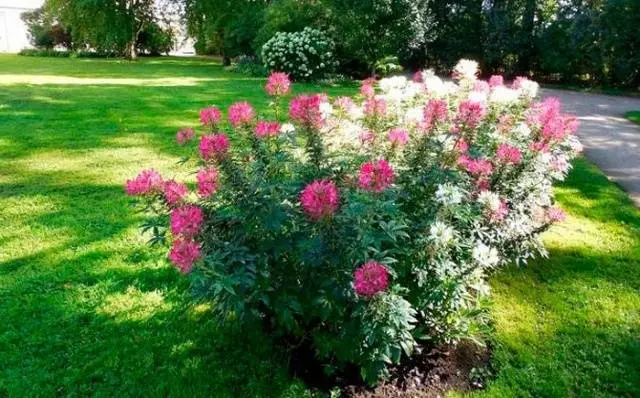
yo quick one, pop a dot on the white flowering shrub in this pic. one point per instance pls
(305, 55)
(365, 228)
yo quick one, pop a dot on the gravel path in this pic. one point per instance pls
(610, 141)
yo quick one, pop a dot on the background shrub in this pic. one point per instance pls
(304, 55)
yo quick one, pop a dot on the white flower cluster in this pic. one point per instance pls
(307, 54)
(486, 158)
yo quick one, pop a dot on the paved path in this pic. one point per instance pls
(610, 141)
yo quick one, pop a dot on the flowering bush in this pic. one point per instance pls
(365, 227)
(303, 55)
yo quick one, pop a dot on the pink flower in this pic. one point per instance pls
(555, 126)
(508, 154)
(214, 146)
(496, 80)
(435, 111)
(367, 89)
(266, 129)
(555, 214)
(344, 104)
(186, 221)
(210, 116)
(398, 137)
(418, 77)
(207, 181)
(517, 83)
(371, 279)
(480, 167)
(174, 191)
(481, 86)
(375, 107)
(185, 135)
(183, 254)
(376, 176)
(505, 122)
(320, 199)
(305, 109)
(470, 113)
(241, 114)
(500, 213)
(539, 146)
(278, 83)
(367, 137)
(148, 181)
(461, 146)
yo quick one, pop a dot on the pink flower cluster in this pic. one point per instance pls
(185, 135)
(148, 181)
(174, 192)
(210, 116)
(214, 146)
(266, 129)
(555, 126)
(398, 137)
(482, 87)
(305, 109)
(186, 221)
(470, 113)
(376, 176)
(184, 253)
(375, 107)
(367, 88)
(371, 279)
(509, 154)
(278, 84)
(555, 214)
(344, 104)
(500, 213)
(207, 181)
(496, 80)
(480, 167)
(241, 114)
(435, 111)
(320, 199)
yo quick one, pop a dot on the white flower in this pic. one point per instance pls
(477, 96)
(528, 88)
(489, 200)
(389, 83)
(325, 109)
(441, 234)
(503, 95)
(523, 130)
(485, 256)
(448, 194)
(466, 69)
(287, 128)
(413, 116)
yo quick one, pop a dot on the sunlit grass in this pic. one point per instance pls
(88, 309)
(633, 116)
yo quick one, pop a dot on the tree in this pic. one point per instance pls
(108, 25)
(369, 30)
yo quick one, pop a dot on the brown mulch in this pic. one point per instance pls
(430, 374)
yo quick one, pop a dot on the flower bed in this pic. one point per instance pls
(365, 226)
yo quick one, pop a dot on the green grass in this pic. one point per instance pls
(88, 309)
(634, 116)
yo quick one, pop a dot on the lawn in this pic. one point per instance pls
(88, 309)
(633, 116)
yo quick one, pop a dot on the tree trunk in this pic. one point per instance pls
(131, 53)
(528, 24)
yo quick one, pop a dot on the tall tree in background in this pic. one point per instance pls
(107, 25)
(371, 29)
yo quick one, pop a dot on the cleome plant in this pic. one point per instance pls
(365, 227)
